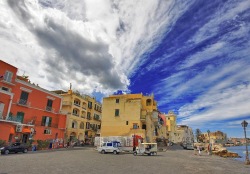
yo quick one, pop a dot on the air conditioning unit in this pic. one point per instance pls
(19, 128)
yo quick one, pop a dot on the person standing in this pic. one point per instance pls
(208, 149)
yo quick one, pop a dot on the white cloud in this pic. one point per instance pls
(95, 45)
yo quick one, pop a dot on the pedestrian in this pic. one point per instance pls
(199, 150)
(208, 149)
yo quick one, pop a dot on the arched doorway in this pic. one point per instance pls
(72, 136)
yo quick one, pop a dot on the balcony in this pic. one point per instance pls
(22, 102)
(66, 103)
(75, 114)
(53, 125)
(15, 119)
(77, 104)
(89, 117)
(84, 108)
(96, 118)
(49, 109)
(83, 116)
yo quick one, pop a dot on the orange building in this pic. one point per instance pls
(28, 111)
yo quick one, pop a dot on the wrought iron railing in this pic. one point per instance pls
(49, 109)
(23, 102)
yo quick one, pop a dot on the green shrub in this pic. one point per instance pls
(42, 144)
(2, 142)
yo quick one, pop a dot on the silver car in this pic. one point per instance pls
(110, 147)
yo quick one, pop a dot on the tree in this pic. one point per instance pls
(198, 135)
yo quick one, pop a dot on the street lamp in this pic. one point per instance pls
(244, 125)
(210, 148)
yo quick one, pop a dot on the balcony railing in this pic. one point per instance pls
(49, 109)
(83, 116)
(89, 117)
(23, 103)
(96, 118)
(15, 119)
(77, 115)
(84, 107)
(77, 104)
(53, 125)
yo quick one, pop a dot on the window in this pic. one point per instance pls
(24, 98)
(117, 100)
(87, 125)
(47, 131)
(148, 102)
(109, 144)
(49, 105)
(19, 117)
(74, 124)
(77, 102)
(8, 76)
(116, 112)
(46, 121)
(90, 105)
(5, 89)
(75, 112)
(135, 125)
(126, 122)
(96, 117)
(88, 115)
(82, 125)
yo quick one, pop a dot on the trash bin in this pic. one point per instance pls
(34, 148)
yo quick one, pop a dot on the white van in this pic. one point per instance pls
(110, 147)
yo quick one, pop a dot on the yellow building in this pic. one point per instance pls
(128, 115)
(171, 126)
(83, 116)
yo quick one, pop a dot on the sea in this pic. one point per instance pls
(241, 150)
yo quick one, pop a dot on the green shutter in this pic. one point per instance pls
(43, 121)
(19, 117)
(50, 120)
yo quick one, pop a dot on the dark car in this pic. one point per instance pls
(14, 148)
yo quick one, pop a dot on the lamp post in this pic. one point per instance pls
(210, 149)
(244, 125)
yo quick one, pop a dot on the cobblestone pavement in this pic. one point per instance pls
(88, 160)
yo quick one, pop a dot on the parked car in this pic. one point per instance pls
(112, 147)
(14, 148)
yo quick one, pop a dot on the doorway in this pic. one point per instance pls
(25, 138)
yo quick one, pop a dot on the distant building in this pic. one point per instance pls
(83, 116)
(215, 137)
(27, 111)
(129, 115)
(171, 127)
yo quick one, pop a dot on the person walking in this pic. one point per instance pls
(199, 150)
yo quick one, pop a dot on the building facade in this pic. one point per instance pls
(28, 111)
(130, 115)
(83, 116)
(171, 126)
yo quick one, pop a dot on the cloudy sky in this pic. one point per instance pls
(193, 55)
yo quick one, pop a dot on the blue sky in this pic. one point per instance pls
(193, 55)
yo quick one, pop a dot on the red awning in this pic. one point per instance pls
(26, 130)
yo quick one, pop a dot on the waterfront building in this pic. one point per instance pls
(83, 116)
(215, 137)
(27, 111)
(130, 115)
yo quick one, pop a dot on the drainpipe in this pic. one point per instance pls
(10, 103)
